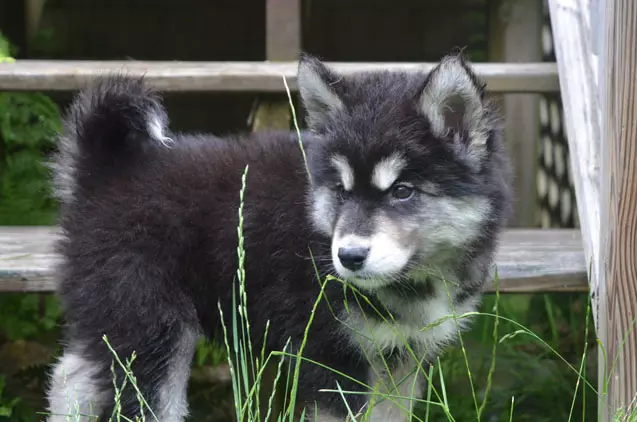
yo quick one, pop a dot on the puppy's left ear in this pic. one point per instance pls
(318, 89)
(453, 101)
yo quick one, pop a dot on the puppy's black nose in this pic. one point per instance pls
(353, 258)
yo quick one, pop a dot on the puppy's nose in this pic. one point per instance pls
(354, 257)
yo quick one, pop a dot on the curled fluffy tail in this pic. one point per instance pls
(107, 127)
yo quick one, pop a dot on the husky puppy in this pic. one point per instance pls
(403, 198)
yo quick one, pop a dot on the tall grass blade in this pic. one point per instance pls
(494, 349)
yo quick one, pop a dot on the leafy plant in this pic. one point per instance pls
(28, 124)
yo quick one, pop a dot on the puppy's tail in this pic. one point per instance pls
(109, 126)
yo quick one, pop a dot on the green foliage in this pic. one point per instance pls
(7, 405)
(208, 353)
(29, 335)
(17, 316)
(28, 124)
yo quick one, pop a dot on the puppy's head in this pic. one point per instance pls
(398, 172)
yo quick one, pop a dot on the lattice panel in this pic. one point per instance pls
(555, 190)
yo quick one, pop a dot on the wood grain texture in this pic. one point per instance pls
(51, 75)
(27, 259)
(527, 261)
(570, 22)
(283, 29)
(618, 253)
(540, 260)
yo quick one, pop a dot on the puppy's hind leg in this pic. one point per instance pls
(82, 385)
(170, 399)
(161, 369)
(78, 389)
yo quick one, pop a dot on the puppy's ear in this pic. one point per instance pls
(318, 89)
(452, 100)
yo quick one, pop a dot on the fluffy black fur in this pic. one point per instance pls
(150, 219)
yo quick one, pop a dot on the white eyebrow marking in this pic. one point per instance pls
(345, 171)
(387, 171)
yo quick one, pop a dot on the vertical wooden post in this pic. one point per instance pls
(577, 54)
(514, 36)
(33, 12)
(282, 42)
(283, 29)
(570, 21)
(618, 255)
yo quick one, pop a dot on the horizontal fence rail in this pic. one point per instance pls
(527, 261)
(62, 75)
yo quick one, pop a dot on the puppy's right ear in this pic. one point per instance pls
(318, 86)
(453, 101)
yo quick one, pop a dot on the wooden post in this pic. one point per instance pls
(514, 36)
(570, 21)
(618, 246)
(283, 29)
(33, 13)
(282, 42)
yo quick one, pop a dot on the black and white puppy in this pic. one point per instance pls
(408, 184)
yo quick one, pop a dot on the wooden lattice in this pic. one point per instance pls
(555, 190)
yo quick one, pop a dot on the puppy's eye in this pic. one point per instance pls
(402, 192)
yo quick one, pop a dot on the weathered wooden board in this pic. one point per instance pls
(617, 293)
(570, 22)
(541, 260)
(50, 75)
(528, 260)
(27, 259)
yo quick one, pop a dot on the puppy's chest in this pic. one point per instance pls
(426, 326)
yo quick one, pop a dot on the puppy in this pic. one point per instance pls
(400, 189)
